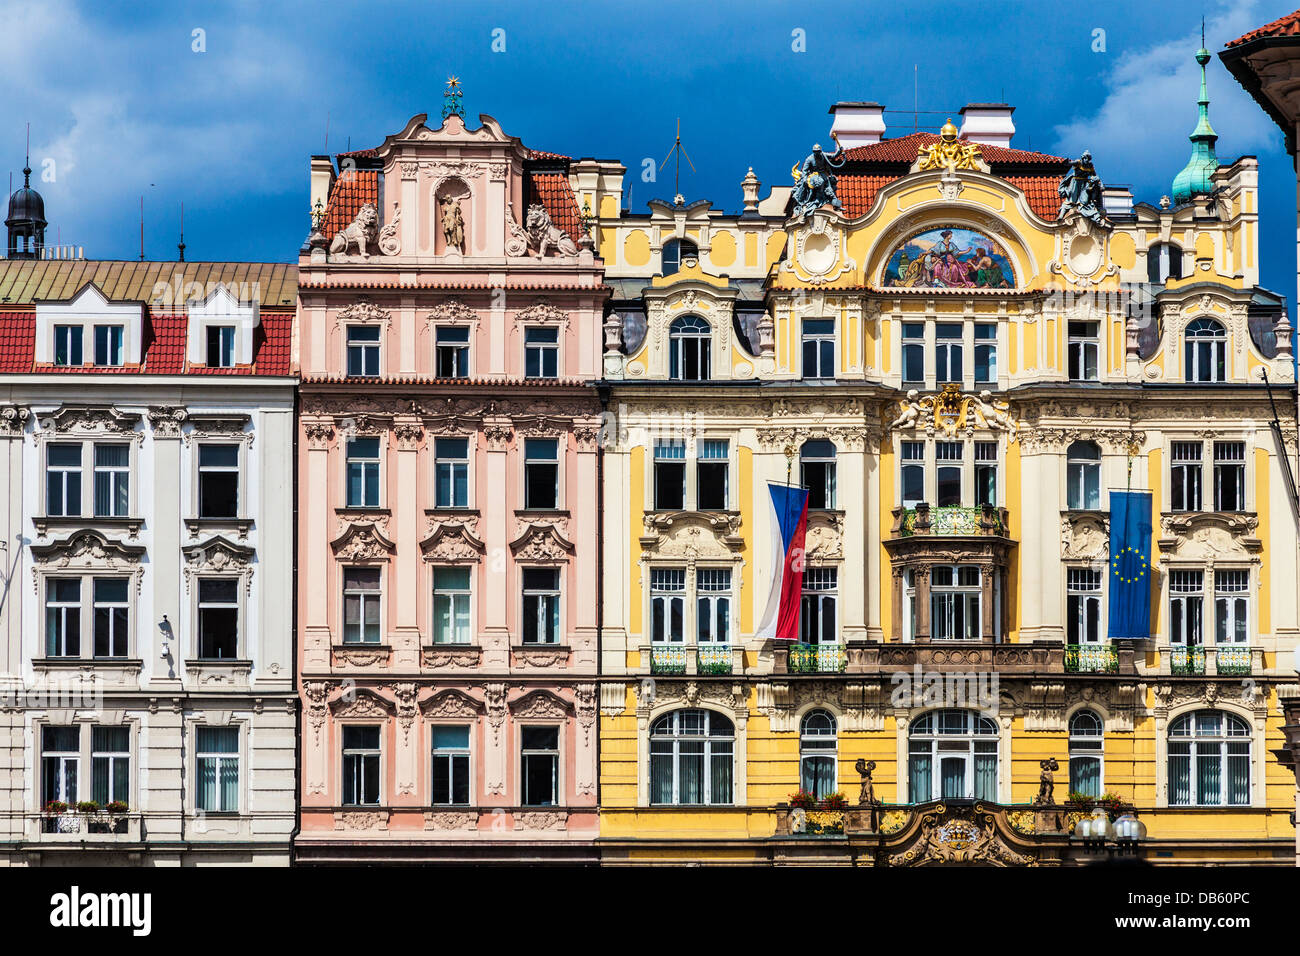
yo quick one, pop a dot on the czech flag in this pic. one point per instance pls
(781, 619)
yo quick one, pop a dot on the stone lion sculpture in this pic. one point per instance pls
(544, 234)
(359, 232)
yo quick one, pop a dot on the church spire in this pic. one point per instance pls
(1197, 177)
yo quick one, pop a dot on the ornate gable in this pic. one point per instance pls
(218, 555)
(92, 420)
(451, 703)
(540, 704)
(452, 542)
(362, 541)
(541, 543)
(364, 703)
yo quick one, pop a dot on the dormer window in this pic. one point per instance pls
(108, 345)
(221, 346)
(452, 351)
(1164, 262)
(1206, 351)
(688, 349)
(67, 345)
(675, 251)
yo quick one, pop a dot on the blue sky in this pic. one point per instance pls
(122, 104)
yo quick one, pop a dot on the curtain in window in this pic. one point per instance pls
(661, 774)
(818, 776)
(1085, 776)
(919, 778)
(1238, 773)
(986, 776)
(690, 786)
(1209, 774)
(952, 775)
(111, 491)
(1180, 775)
(218, 768)
(720, 773)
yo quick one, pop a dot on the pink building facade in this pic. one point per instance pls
(450, 327)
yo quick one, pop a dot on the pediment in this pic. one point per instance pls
(218, 554)
(451, 703)
(1210, 536)
(452, 541)
(364, 703)
(88, 548)
(362, 541)
(693, 534)
(541, 542)
(91, 420)
(540, 703)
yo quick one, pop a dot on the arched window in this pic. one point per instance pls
(1209, 760)
(691, 754)
(1164, 262)
(675, 250)
(817, 761)
(817, 472)
(688, 349)
(953, 755)
(1086, 753)
(1206, 351)
(1083, 476)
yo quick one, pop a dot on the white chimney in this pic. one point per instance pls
(857, 124)
(987, 123)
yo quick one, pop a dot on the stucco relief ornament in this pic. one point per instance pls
(544, 235)
(453, 310)
(449, 704)
(408, 434)
(949, 412)
(165, 420)
(518, 241)
(541, 543)
(219, 556)
(93, 420)
(358, 233)
(318, 434)
(452, 541)
(542, 312)
(362, 542)
(948, 153)
(390, 241)
(364, 311)
(13, 419)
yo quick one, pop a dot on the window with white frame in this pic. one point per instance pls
(667, 605)
(216, 761)
(817, 749)
(689, 339)
(949, 460)
(541, 606)
(361, 755)
(451, 468)
(955, 597)
(818, 620)
(218, 618)
(1087, 752)
(712, 466)
(713, 605)
(87, 613)
(67, 345)
(674, 252)
(221, 346)
(541, 474)
(986, 473)
(1083, 349)
(670, 474)
(912, 472)
(112, 480)
(110, 765)
(541, 351)
(818, 348)
(451, 605)
(451, 351)
(914, 353)
(1082, 606)
(952, 755)
(108, 345)
(1231, 606)
(363, 351)
(1205, 351)
(692, 756)
(60, 764)
(363, 472)
(112, 616)
(540, 766)
(362, 601)
(1185, 476)
(1209, 760)
(1083, 476)
(986, 354)
(63, 480)
(1229, 476)
(817, 473)
(218, 481)
(450, 766)
(947, 352)
(1186, 606)
(63, 617)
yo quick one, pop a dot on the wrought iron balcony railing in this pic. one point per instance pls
(713, 659)
(1187, 660)
(1091, 659)
(950, 520)
(817, 659)
(667, 659)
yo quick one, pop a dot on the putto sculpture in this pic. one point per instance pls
(357, 233)
(815, 181)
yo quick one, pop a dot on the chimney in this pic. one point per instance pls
(987, 123)
(857, 124)
(322, 180)
(1117, 201)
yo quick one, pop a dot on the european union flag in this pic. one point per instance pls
(1130, 564)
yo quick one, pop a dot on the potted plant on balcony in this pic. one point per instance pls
(1113, 803)
(114, 817)
(1079, 801)
(54, 811)
(802, 800)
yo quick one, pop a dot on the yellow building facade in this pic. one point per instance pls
(960, 355)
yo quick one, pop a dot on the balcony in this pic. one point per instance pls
(713, 659)
(1234, 660)
(74, 827)
(1091, 659)
(979, 521)
(1184, 660)
(816, 659)
(668, 659)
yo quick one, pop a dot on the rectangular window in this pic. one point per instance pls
(63, 617)
(451, 597)
(451, 464)
(713, 605)
(218, 618)
(817, 472)
(986, 354)
(360, 766)
(955, 599)
(1231, 599)
(1083, 605)
(541, 765)
(1186, 605)
(221, 346)
(60, 763)
(361, 606)
(541, 352)
(947, 352)
(450, 766)
(363, 472)
(1083, 349)
(63, 480)
(912, 456)
(541, 606)
(111, 617)
(670, 475)
(67, 345)
(112, 481)
(711, 469)
(667, 605)
(541, 474)
(818, 348)
(452, 351)
(1229, 476)
(110, 765)
(817, 618)
(914, 353)
(948, 468)
(363, 350)
(1185, 475)
(218, 481)
(108, 345)
(986, 473)
(216, 757)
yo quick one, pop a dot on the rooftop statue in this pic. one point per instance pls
(1080, 191)
(815, 182)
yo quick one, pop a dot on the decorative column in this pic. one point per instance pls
(498, 432)
(408, 433)
(921, 584)
(162, 512)
(314, 561)
(13, 426)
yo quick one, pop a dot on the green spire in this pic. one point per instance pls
(1197, 177)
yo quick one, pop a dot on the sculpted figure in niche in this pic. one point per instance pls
(453, 224)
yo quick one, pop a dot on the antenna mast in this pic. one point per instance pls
(679, 152)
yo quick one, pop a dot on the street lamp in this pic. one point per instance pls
(1096, 833)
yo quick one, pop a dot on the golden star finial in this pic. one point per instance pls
(453, 82)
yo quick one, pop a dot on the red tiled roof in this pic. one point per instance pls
(273, 355)
(857, 193)
(352, 190)
(1041, 193)
(17, 341)
(1287, 26)
(370, 153)
(164, 344)
(904, 149)
(347, 282)
(452, 382)
(553, 191)
(542, 154)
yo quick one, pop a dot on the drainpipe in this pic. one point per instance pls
(293, 652)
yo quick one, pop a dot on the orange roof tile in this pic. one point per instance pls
(904, 149)
(553, 191)
(352, 190)
(17, 341)
(164, 344)
(1287, 26)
